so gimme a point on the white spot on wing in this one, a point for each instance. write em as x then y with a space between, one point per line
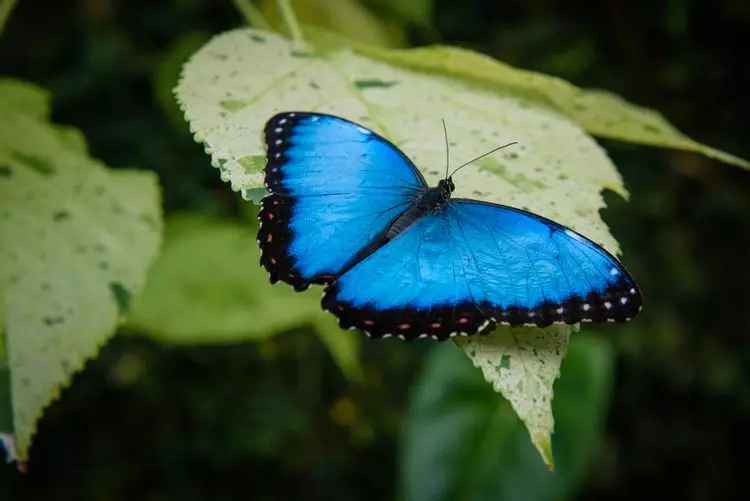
363 130
614 272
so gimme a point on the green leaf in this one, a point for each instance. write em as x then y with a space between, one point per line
19 96
464 442
416 11
207 286
6 411
75 241
599 112
349 18
239 79
168 71
344 347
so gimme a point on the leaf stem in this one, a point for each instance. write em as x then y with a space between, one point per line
287 13
6 7
252 15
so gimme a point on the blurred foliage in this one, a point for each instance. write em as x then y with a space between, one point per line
464 442
203 289
277 419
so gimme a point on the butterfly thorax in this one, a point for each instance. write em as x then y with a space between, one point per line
424 202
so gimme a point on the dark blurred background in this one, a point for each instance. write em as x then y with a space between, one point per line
146 421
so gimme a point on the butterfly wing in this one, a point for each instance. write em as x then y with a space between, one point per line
334 186
472 264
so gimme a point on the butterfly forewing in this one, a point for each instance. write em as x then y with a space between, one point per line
333 187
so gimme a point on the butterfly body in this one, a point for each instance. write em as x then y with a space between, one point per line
423 203
348 210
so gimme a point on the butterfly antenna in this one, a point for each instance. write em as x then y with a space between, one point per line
447 149
482 156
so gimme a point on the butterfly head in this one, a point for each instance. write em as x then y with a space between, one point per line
446 187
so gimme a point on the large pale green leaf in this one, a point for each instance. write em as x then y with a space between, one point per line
207 286
75 241
463 442
599 112
239 79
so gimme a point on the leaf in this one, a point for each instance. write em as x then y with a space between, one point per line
522 364
239 79
599 112
168 71
416 11
75 242
207 286
464 442
344 347
349 18
6 411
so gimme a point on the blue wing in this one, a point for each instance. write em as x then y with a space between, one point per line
470 265
334 187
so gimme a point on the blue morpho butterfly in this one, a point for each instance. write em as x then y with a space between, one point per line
347 209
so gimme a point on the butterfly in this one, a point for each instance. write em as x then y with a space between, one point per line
347 209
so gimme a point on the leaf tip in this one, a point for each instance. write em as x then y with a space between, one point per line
543 444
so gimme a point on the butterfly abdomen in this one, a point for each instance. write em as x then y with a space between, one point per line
423 203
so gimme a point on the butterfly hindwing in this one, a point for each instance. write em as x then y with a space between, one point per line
334 186
412 287
536 271
469 264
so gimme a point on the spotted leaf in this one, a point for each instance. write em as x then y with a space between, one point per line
76 239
